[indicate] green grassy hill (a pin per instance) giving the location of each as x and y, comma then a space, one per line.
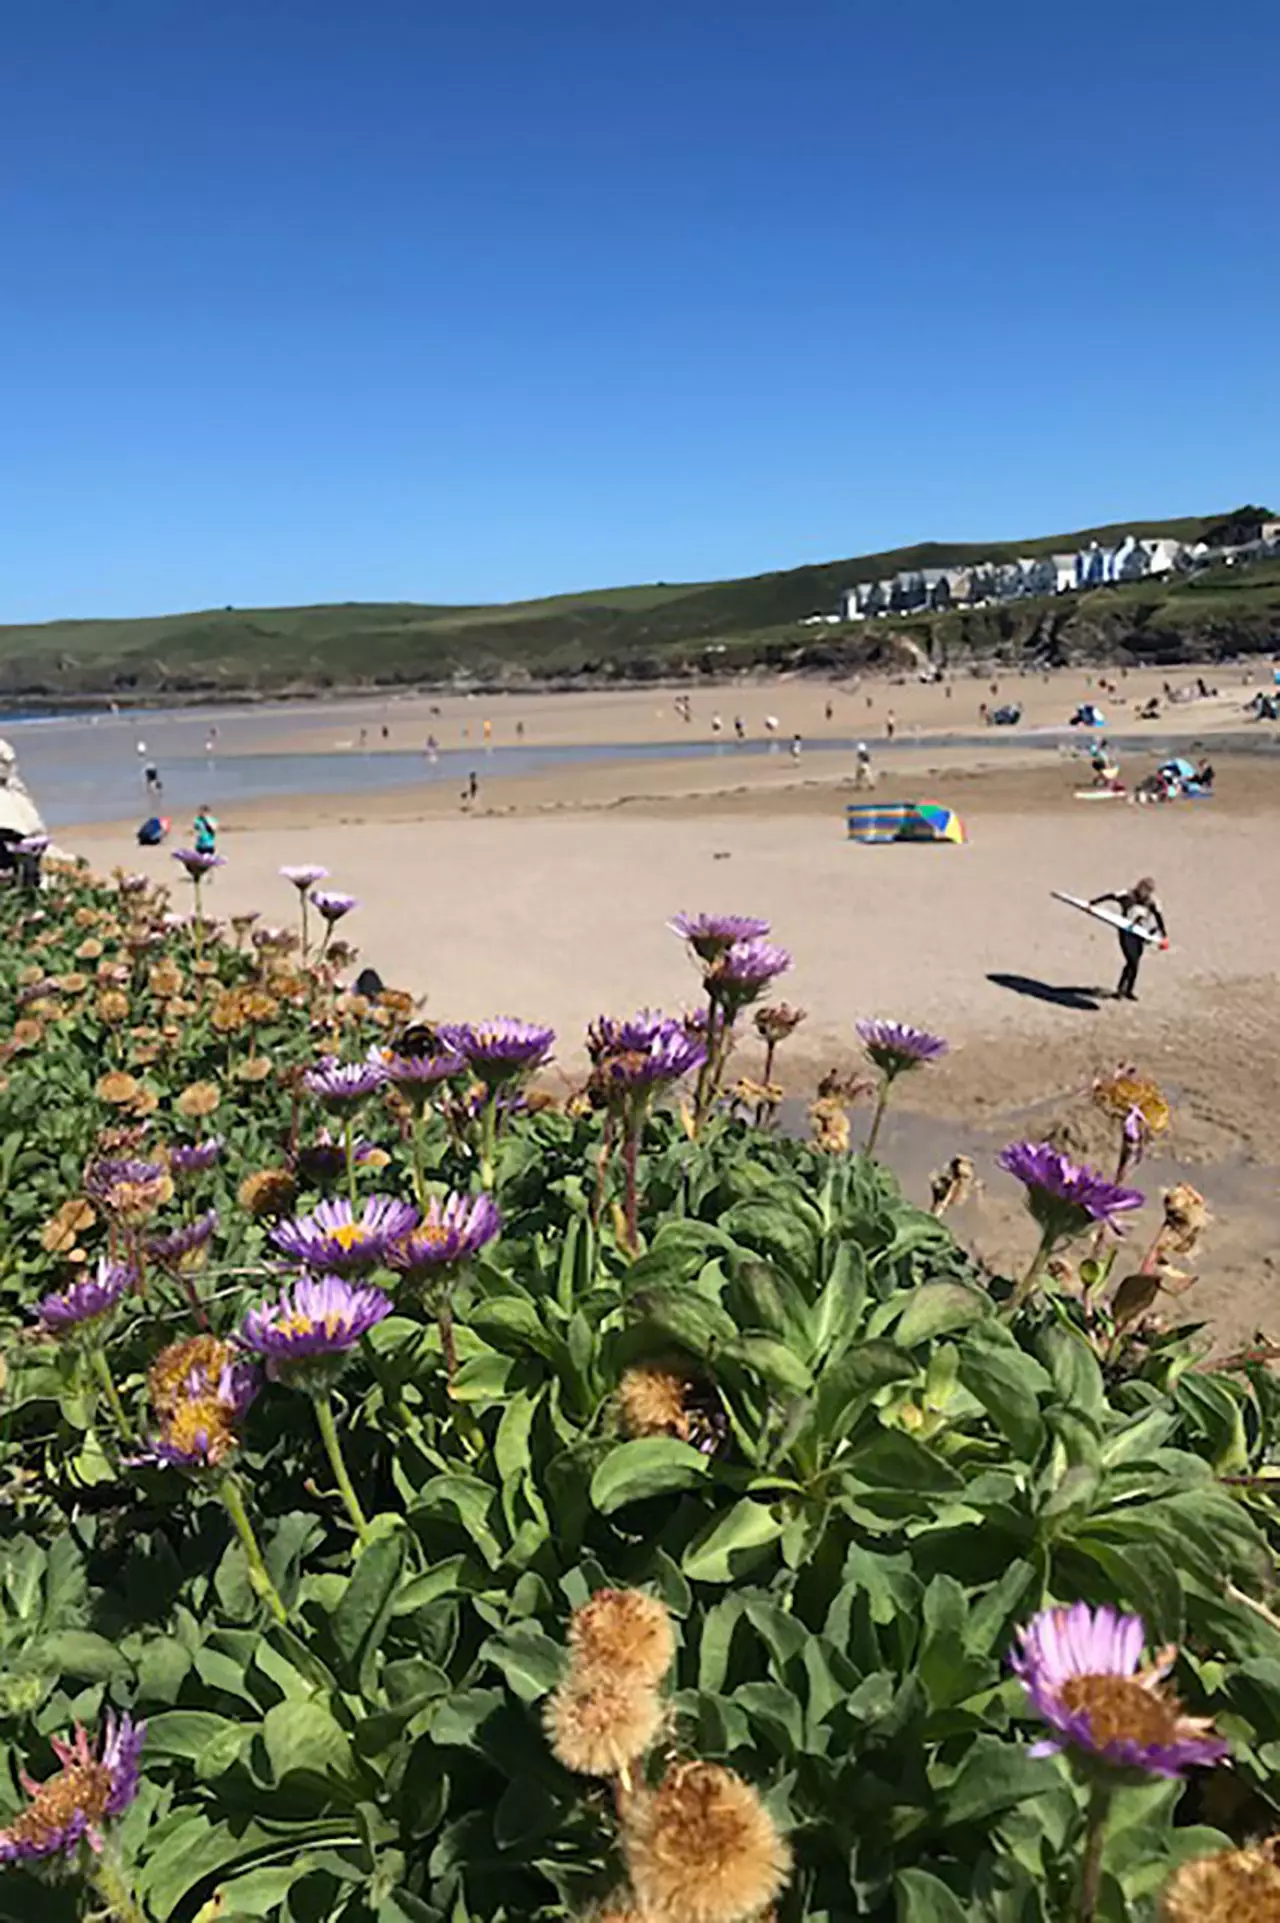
641, 631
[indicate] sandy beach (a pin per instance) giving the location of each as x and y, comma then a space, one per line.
550, 899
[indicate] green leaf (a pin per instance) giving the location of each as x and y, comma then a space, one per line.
770, 1358
531, 1662
994, 1776
1074, 1368
939, 1308
730, 1544
360, 1620
1008, 1383
922, 1898
647, 1466
79, 1653
846, 1388
304, 1736
187, 1733
892, 1459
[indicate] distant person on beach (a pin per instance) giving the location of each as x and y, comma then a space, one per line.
771, 723
519, 730
205, 831
151, 775
829, 712
797, 744
472, 790
890, 726
864, 778
739, 727
386, 736
433, 748
1140, 908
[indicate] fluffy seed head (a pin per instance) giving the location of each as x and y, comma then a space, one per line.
598, 1725
702, 1848
620, 1633
1236, 1886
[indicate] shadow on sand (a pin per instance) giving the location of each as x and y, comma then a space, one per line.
1087, 1000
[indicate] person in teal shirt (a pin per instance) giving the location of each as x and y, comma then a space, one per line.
206, 832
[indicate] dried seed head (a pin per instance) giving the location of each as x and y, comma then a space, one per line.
200, 1099
653, 1401
621, 1633
268, 1192
1236, 1886
1186, 1217
702, 1848
599, 1725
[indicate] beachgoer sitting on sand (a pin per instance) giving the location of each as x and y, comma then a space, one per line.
1140, 909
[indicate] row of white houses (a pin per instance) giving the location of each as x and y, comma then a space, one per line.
1135, 558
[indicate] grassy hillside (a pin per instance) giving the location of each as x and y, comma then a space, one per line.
644, 630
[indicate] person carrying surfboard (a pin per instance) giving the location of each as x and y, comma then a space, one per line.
1140, 909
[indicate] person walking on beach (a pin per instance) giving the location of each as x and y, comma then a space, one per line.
1140, 909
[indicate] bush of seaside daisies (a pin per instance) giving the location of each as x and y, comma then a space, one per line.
438, 1487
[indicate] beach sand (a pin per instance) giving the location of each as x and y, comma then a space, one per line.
551, 899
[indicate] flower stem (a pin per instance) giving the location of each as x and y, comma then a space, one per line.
415, 1143
1095, 1836
882, 1103
630, 1151
102, 1369
333, 1449
349, 1143
112, 1885
1032, 1275
302, 897
259, 1575
489, 1138
199, 927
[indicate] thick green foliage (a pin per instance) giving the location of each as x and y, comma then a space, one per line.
903, 1479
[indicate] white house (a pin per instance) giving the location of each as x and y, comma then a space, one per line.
1065, 572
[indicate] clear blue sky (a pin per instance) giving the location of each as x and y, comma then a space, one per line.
311, 300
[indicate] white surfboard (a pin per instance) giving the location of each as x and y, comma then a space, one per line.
1111, 918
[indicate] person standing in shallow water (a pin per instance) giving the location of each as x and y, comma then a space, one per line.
1140, 908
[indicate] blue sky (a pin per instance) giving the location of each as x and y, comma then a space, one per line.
309, 301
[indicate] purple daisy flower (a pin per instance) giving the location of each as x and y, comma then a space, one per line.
343, 1084
710, 935
1080, 1668
1064, 1198
305, 875
175, 1250
500, 1050
194, 1158
642, 1054
197, 863
87, 1301
319, 1320
334, 1240
895, 1047
421, 1072
32, 844
452, 1231
741, 972
112, 1173
332, 906
70, 1808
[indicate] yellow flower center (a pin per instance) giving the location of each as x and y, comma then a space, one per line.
1123, 1709
352, 1235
